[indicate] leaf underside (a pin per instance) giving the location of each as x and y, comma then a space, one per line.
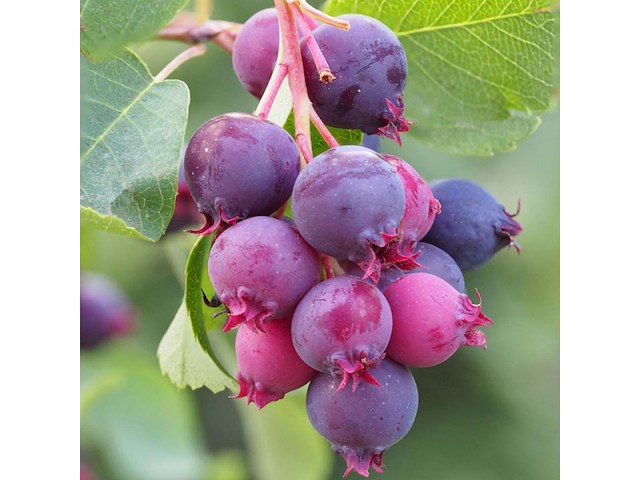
132, 129
480, 71
185, 352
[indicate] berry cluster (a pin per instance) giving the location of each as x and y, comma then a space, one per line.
346, 294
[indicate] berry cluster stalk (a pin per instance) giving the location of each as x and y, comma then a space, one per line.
293, 60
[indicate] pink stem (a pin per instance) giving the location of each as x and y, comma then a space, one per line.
323, 130
324, 72
293, 60
310, 21
280, 212
320, 15
270, 93
326, 264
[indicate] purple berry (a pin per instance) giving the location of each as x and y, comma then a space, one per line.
348, 203
268, 365
255, 51
105, 311
260, 269
370, 69
238, 166
473, 226
430, 259
342, 326
185, 212
420, 212
431, 320
361, 425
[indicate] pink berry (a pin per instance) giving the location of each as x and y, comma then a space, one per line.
268, 365
431, 319
419, 214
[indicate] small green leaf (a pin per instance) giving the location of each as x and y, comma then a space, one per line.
185, 353
184, 361
282, 443
132, 129
343, 137
480, 71
107, 26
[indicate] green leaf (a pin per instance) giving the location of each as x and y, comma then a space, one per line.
184, 361
107, 26
185, 353
131, 135
282, 443
318, 145
141, 426
480, 71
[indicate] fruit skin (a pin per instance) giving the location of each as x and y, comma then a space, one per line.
420, 212
342, 326
268, 365
472, 226
255, 51
361, 425
431, 259
370, 69
431, 320
260, 268
238, 166
347, 203
185, 212
105, 311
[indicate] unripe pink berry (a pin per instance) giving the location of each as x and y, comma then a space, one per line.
268, 365
431, 319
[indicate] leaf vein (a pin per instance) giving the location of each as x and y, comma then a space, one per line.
431, 27
406, 14
509, 60
116, 120
467, 72
523, 40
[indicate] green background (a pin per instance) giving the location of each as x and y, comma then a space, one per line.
490, 414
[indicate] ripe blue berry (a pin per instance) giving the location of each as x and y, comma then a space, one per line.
472, 225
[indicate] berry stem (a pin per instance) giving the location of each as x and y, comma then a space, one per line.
181, 58
293, 60
187, 27
319, 15
323, 130
203, 9
326, 264
270, 93
324, 72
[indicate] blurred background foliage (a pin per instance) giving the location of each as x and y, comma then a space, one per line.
490, 414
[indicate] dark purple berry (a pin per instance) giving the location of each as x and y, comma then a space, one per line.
431, 320
370, 69
268, 365
361, 425
105, 311
185, 212
342, 326
472, 226
238, 166
255, 51
348, 203
260, 269
372, 142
